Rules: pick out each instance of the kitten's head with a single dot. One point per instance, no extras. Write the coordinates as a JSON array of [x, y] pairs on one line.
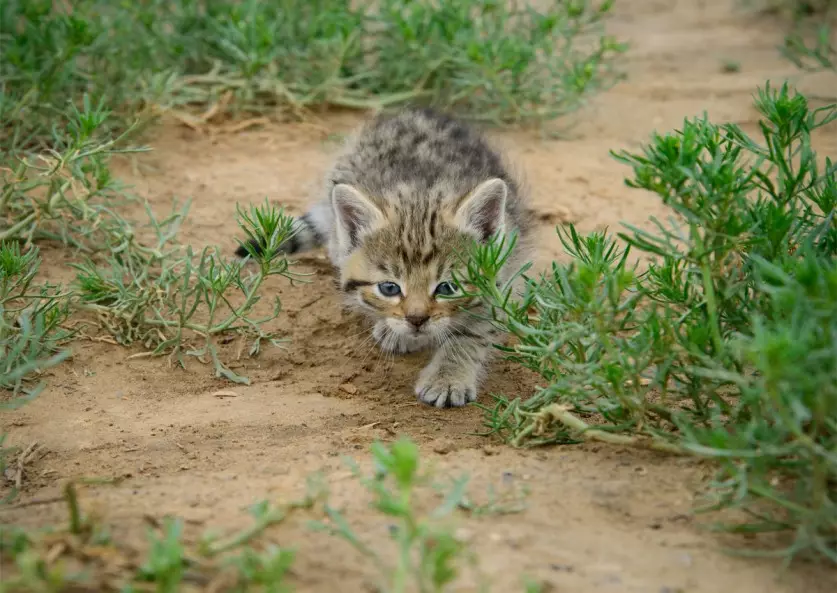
[[398, 255]]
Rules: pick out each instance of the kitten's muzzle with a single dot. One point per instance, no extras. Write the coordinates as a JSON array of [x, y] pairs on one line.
[[417, 320]]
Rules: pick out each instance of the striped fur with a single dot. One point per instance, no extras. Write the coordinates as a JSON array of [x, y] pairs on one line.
[[406, 194]]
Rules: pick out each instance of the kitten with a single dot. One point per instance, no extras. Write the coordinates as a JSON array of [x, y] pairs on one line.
[[406, 195]]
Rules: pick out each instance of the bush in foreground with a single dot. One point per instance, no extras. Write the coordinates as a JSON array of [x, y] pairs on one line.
[[724, 346]]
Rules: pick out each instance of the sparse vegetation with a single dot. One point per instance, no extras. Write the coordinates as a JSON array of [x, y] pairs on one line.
[[83, 556], [30, 323], [427, 552], [811, 43], [724, 347], [817, 51], [200, 60], [139, 285]]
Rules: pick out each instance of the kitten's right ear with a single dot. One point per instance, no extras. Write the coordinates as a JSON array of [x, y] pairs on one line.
[[355, 214]]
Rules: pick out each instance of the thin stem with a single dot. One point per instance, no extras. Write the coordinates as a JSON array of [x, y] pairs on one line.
[[711, 307], [563, 415]]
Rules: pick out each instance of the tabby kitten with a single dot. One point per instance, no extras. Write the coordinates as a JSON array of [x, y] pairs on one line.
[[406, 195]]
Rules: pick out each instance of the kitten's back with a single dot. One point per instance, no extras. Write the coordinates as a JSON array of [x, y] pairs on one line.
[[422, 155], [414, 162]]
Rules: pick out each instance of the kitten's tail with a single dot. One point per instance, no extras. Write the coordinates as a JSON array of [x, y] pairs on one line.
[[307, 237]]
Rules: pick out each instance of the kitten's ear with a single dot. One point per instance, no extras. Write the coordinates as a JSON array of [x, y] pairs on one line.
[[483, 211], [355, 214]]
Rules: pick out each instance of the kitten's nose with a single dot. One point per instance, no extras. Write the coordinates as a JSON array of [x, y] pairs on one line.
[[417, 320]]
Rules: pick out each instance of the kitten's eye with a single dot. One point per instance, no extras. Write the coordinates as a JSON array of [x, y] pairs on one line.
[[445, 289], [389, 289]]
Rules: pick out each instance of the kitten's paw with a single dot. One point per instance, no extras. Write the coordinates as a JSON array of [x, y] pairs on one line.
[[446, 392]]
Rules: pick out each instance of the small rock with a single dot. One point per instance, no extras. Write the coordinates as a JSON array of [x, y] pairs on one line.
[[348, 388], [562, 567], [443, 447]]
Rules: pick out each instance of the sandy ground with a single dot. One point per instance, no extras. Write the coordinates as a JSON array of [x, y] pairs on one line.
[[598, 519]]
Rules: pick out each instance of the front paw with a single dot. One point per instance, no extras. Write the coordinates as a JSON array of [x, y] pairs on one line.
[[446, 392]]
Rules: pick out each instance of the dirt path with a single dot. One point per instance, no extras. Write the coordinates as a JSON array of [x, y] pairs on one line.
[[599, 519]]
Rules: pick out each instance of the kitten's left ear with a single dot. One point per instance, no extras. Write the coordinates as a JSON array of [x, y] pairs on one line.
[[483, 212], [355, 215]]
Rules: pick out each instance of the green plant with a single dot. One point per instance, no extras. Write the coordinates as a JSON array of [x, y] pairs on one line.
[[65, 559], [723, 345], [483, 58], [161, 301], [30, 323], [31, 335], [819, 53], [810, 44], [494, 61], [67, 193], [792, 9], [426, 549], [165, 562], [139, 284]]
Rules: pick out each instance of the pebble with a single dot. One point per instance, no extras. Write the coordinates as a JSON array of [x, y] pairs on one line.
[[348, 388], [443, 447], [562, 567]]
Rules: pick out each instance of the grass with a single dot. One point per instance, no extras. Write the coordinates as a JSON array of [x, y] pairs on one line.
[[811, 43], [812, 52], [31, 336], [197, 60], [427, 552], [723, 346], [137, 285], [82, 555]]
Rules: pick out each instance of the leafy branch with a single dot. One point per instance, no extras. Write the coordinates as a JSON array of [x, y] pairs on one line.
[[721, 341]]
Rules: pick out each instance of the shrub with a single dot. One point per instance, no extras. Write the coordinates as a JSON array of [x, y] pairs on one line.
[[724, 345], [480, 58]]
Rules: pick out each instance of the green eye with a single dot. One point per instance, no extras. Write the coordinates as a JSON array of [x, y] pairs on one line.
[[389, 289], [445, 289]]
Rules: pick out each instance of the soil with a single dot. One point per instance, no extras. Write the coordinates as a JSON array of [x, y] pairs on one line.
[[597, 518]]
